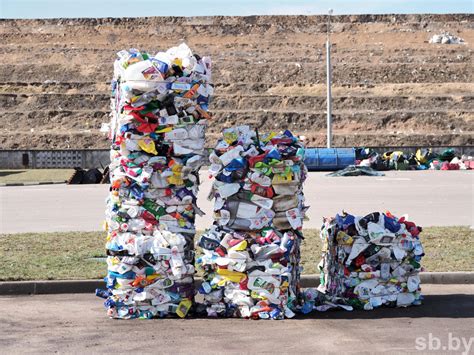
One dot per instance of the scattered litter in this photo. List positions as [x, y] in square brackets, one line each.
[423, 159]
[353, 170]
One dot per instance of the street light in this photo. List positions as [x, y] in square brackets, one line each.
[328, 83]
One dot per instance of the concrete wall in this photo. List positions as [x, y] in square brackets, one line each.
[86, 159]
[47, 159]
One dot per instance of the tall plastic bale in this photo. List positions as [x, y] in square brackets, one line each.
[158, 122]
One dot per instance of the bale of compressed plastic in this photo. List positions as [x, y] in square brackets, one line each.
[251, 254]
[157, 129]
[370, 261]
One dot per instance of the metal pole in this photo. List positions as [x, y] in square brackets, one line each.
[328, 83]
[329, 98]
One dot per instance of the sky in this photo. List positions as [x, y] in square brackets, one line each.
[135, 8]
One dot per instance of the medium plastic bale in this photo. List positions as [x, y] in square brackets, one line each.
[251, 254]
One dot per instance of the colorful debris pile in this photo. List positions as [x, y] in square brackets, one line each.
[370, 261]
[251, 254]
[159, 117]
[423, 159]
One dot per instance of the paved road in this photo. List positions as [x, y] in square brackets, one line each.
[76, 323]
[431, 198]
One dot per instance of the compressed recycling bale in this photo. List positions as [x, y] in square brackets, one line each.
[251, 254]
[158, 121]
[370, 261]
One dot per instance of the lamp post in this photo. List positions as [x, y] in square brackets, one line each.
[328, 82]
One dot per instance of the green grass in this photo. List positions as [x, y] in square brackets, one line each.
[34, 175]
[53, 256]
[446, 249]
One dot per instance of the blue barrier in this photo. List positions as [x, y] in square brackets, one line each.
[329, 158]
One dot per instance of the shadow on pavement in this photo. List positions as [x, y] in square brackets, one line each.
[6, 173]
[434, 306]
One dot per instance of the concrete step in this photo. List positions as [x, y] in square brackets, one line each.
[263, 72]
[56, 101]
[405, 121]
[277, 52]
[59, 140]
[447, 89]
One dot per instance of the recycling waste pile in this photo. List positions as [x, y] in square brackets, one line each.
[91, 176]
[369, 262]
[446, 38]
[158, 120]
[250, 256]
[423, 159]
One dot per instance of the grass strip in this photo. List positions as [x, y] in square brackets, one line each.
[77, 255]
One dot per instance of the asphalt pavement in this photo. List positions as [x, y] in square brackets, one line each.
[430, 198]
[77, 323]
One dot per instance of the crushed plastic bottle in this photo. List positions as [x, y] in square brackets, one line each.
[157, 129]
[250, 256]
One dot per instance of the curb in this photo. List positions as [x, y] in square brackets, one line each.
[32, 183]
[447, 278]
[10, 288]
[14, 288]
